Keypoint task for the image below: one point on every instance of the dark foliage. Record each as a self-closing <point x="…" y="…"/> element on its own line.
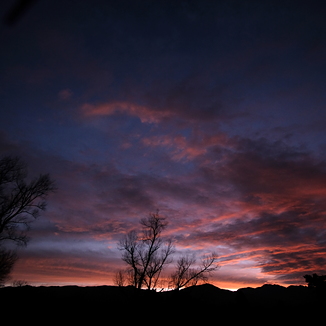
<point x="316" y="281"/>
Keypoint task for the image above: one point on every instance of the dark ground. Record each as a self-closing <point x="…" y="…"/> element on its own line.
<point x="125" y="305"/>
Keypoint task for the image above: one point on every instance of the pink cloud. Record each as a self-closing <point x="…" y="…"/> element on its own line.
<point x="65" y="94"/>
<point x="178" y="146"/>
<point x="255" y="208"/>
<point x="144" y="113"/>
<point x="181" y="147"/>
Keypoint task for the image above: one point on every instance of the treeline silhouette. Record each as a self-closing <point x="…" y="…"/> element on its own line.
<point x="206" y="303"/>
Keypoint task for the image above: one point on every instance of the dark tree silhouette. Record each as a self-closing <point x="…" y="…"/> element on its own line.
<point x="120" y="278"/>
<point x="19" y="283"/>
<point x="186" y="275"/>
<point x="316" y="281"/>
<point x="20" y="204"/>
<point x="7" y="261"/>
<point x="18" y="10"/>
<point x="146" y="252"/>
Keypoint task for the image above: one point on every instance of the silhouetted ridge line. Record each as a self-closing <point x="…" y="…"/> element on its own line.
<point x="197" y="301"/>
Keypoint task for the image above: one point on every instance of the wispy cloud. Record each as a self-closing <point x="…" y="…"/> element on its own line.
<point x="259" y="203"/>
<point x="144" y="113"/>
<point x="188" y="148"/>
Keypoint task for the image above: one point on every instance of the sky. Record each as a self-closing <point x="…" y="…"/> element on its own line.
<point x="212" y="112"/>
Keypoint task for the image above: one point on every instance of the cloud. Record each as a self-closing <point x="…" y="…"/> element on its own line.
<point x="66" y="260"/>
<point x="65" y="94"/>
<point x="186" y="148"/>
<point x="177" y="145"/>
<point x="144" y="113"/>
<point x="278" y="194"/>
<point x="259" y="203"/>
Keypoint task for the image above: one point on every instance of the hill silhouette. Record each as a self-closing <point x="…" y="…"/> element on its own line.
<point x="206" y="303"/>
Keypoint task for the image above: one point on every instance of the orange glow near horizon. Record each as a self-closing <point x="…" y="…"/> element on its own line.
<point x="230" y="277"/>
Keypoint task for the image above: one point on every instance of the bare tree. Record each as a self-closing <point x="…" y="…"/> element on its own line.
<point x="130" y="246"/>
<point x="120" y="278"/>
<point x="19" y="283"/>
<point x="20" y="202"/>
<point x="146" y="252"/>
<point x="186" y="275"/>
<point x="7" y="261"/>
<point x="157" y="263"/>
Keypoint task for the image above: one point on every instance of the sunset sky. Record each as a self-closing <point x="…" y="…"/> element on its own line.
<point x="213" y="112"/>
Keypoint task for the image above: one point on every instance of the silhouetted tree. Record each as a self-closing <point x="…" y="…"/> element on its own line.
<point x="19" y="283"/>
<point x="7" y="261"/>
<point x="120" y="278"/>
<point x="187" y="275"/>
<point x="146" y="252"/>
<point x="316" y="281"/>
<point x="20" y="203"/>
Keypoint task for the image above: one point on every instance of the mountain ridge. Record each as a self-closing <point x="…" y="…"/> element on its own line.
<point x="201" y="301"/>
